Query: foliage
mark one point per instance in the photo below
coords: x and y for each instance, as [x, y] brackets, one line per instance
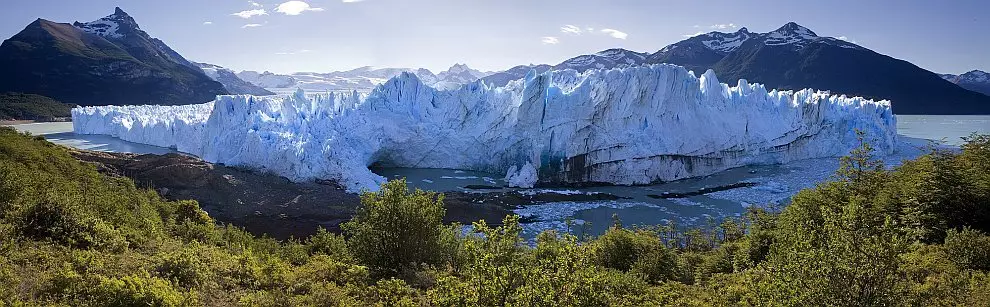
[395, 230]
[909, 236]
[32, 107]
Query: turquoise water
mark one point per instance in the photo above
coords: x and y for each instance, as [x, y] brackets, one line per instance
[947, 128]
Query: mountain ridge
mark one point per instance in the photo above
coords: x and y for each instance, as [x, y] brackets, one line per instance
[110, 61]
[793, 57]
[974, 80]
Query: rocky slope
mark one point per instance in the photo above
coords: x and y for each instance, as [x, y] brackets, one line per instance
[268, 204]
[976, 80]
[110, 61]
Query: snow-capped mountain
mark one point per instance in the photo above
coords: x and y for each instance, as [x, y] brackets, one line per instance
[107, 61]
[362, 79]
[230, 81]
[703, 51]
[610, 58]
[605, 59]
[267, 79]
[793, 57]
[461, 74]
[504, 77]
[111, 26]
[976, 80]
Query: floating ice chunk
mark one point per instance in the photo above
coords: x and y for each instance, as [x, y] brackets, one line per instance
[524, 177]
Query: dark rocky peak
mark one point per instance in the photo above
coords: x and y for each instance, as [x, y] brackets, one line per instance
[117, 25]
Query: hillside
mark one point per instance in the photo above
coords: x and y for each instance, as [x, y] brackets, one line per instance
[32, 107]
[912, 236]
[110, 61]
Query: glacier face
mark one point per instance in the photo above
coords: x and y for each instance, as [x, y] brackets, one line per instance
[632, 125]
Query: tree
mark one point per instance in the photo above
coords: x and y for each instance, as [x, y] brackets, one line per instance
[395, 230]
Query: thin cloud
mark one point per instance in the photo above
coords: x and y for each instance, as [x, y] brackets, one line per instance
[293, 8]
[294, 52]
[250, 13]
[693, 35]
[255, 4]
[207, 22]
[571, 29]
[615, 33]
[723, 26]
[550, 40]
[251, 25]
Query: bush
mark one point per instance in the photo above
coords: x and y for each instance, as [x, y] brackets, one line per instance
[183, 267]
[394, 229]
[638, 251]
[326, 243]
[140, 291]
[968, 248]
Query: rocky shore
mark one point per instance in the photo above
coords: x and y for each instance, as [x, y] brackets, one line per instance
[273, 205]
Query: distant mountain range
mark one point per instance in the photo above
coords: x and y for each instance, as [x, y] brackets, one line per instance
[104, 62]
[794, 57]
[359, 79]
[977, 81]
[113, 61]
[230, 81]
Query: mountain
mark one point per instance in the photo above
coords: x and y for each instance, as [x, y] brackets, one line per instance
[977, 81]
[504, 77]
[360, 79]
[230, 81]
[461, 74]
[605, 59]
[267, 79]
[18, 106]
[794, 57]
[110, 61]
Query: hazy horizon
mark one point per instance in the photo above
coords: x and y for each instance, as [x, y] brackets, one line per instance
[331, 35]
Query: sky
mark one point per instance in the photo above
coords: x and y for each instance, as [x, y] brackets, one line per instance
[327, 35]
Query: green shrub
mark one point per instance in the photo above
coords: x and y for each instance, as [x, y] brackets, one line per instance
[394, 229]
[140, 291]
[183, 267]
[330, 244]
[968, 248]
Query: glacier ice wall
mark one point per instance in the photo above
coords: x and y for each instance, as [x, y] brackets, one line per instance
[632, 125]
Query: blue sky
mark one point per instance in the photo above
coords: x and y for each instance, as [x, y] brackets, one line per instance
[942, 36]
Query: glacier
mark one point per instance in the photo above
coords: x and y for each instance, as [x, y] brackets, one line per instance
[627, 125]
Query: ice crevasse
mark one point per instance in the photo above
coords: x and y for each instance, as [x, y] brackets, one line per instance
[630, 125]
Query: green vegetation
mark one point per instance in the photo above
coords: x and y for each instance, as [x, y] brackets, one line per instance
[32, 107]
[912, 236]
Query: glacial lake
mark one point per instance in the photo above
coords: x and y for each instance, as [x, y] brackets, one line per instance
[774, 184]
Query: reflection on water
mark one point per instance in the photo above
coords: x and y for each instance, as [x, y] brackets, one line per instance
[104, 143]
[61, 133]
